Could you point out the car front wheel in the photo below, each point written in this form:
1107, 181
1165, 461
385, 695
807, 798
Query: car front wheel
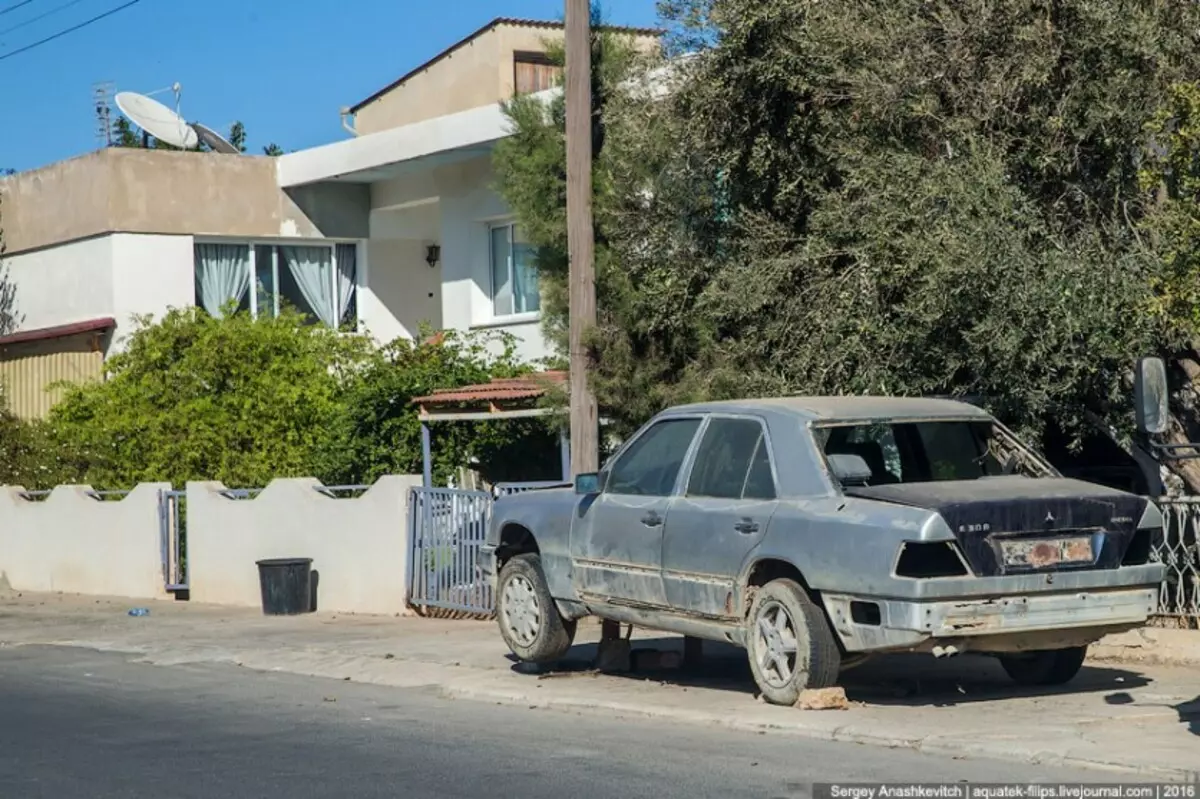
1048, 667
790, 646
529, 620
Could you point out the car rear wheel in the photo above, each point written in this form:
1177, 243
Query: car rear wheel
790, 646
529, 620
1048, 667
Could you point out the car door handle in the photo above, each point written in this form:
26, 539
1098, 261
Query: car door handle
746, 527
652, 519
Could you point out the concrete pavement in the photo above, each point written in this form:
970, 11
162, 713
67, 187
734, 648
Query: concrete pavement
82, 723
1139, 718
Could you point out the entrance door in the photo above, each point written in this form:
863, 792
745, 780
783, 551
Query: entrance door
723, 514
617, 545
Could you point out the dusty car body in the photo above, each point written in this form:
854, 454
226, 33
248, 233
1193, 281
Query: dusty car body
863, 524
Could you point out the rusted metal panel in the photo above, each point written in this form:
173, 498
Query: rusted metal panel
29, 370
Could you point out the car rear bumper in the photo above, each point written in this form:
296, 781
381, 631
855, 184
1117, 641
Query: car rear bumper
1008, 623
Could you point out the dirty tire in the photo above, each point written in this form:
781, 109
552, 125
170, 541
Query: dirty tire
789, 643
529, 620
1048, 667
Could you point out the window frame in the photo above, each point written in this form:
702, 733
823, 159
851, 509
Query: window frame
535, 59
685, 466
766, 439
514, 317
253, 244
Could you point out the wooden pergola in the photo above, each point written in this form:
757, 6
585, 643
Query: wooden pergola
501, 398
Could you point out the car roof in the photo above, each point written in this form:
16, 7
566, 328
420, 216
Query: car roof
849, 408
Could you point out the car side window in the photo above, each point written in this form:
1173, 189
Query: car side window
651, 464
728, 463
760, 482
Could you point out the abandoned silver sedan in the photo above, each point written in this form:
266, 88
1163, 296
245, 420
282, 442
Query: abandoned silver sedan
815, 531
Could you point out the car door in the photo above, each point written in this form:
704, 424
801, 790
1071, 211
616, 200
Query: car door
616, 545
722, 515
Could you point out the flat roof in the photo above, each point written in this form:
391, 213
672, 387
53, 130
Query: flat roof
375, 156
848, 408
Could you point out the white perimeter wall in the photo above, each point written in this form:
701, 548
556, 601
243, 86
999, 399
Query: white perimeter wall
117, 275
359, 546
76, 544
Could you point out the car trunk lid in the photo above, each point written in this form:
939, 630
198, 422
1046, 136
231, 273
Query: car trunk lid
1013, 525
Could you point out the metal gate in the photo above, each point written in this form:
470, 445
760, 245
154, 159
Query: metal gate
1179, 551
172, 511
447, 527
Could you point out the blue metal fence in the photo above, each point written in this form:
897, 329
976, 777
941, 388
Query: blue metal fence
172, 509
447, 527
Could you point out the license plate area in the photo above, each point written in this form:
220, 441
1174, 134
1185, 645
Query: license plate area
1049, 552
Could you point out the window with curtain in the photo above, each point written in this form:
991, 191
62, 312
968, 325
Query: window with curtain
514, 277
319, 280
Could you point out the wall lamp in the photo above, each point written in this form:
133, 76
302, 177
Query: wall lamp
433, 254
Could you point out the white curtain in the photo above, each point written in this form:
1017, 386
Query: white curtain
526, 297
312, 268
222, 274
347, 277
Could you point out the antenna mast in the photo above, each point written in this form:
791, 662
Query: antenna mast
102, 94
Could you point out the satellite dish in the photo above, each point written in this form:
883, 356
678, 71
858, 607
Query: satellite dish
156, 119
217, 142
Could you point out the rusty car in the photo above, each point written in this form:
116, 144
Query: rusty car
817, 531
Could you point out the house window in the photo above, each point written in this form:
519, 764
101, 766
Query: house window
534, 72
514, 278
319, 280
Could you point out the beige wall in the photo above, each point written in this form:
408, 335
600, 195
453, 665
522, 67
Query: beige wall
359, 546
149, 191
75, 544
477, 73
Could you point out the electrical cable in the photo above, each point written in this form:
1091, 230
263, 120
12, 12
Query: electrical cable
64, 32
40, 17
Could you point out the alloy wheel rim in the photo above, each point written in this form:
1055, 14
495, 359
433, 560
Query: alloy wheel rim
776, 644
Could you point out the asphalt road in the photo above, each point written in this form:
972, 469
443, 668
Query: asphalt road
79, 723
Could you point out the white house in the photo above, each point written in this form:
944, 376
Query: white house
395, 227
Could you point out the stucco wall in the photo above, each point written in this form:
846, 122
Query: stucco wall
466, 78
151, 274
184, 193
75, 544
118, 275
359, 546
466, 205
64, 284
401, 290
479, 72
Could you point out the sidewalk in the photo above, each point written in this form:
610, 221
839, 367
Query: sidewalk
1139, 718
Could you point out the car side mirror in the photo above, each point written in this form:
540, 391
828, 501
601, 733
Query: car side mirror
850, 470
588, 484
1150, 396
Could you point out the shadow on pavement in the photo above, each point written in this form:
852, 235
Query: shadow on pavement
899, 680
1189, 712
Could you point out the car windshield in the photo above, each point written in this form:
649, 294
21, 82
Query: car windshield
921, 452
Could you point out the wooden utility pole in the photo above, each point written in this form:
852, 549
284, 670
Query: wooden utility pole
585, 431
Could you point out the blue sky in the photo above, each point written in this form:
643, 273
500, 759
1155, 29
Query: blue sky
283, 67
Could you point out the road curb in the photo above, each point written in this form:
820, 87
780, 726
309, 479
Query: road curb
837, 733
503, 687
1150, 645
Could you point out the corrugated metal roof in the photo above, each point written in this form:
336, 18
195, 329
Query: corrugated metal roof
498, 390
514, 21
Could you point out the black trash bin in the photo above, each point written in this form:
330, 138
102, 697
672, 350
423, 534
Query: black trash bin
286, 586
